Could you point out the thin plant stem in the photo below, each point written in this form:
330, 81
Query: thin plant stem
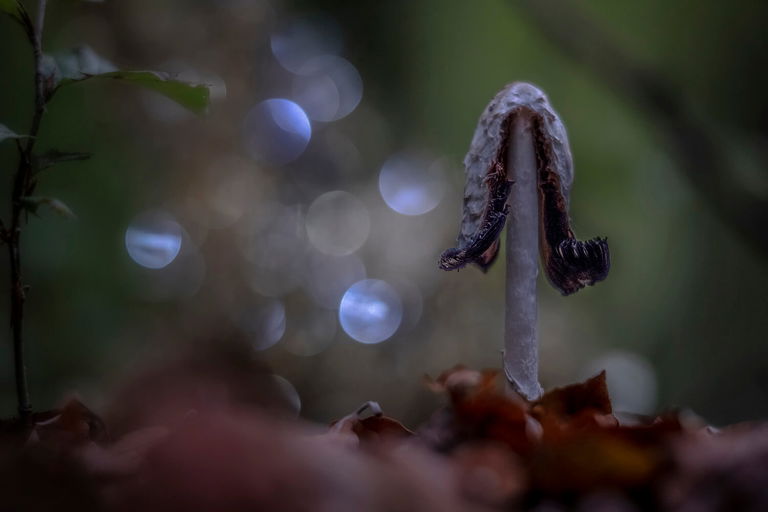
21, 188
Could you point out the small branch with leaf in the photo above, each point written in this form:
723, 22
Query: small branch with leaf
51, 74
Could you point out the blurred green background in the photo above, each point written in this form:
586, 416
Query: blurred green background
681, 320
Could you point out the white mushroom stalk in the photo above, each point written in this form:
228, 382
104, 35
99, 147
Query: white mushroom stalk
519, 171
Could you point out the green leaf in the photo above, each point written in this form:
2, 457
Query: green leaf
33, 203
16, 10
84, 64
194, 97
6, 133
54, 156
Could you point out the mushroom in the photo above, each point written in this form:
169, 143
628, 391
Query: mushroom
519, 171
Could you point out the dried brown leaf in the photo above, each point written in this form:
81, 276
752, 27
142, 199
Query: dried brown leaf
72, 423
586, 404
374, 428
483, 407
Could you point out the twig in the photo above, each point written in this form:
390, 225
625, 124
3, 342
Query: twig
22, 184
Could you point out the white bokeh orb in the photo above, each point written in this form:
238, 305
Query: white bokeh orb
370, 311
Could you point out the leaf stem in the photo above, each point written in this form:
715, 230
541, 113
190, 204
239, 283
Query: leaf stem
21, 188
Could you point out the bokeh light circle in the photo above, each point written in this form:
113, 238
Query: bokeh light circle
266, 325
272, 239
153, 239
278, 260
370, 311
276, 131
412, 184
337, 223
288, 394
328, 88
230, 190
303, 39
328, 277
180, 280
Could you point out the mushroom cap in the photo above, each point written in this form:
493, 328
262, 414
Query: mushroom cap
484, 151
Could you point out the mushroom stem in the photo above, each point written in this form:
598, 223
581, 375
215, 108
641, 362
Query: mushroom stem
521, 357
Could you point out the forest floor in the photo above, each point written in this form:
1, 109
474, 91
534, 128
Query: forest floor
193, 437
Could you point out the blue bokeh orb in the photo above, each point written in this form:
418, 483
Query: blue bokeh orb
276, 131
370, 311
153, 240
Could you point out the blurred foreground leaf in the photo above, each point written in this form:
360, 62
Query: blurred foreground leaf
179, 451
83, 63
33, 203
